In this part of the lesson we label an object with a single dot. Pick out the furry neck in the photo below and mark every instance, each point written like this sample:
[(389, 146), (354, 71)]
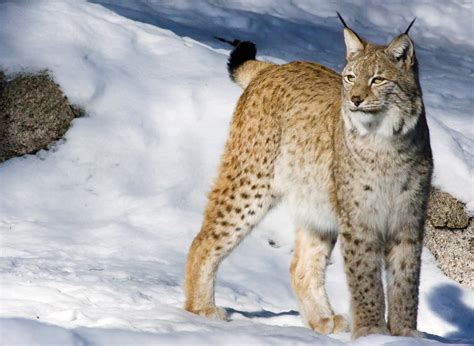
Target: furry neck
[(387, 124)]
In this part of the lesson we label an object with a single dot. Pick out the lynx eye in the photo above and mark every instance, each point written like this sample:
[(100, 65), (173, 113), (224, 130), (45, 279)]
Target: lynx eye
[(349, 78), (377, 81)]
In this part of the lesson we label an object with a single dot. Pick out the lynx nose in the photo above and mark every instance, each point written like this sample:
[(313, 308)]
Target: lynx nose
[(356, 100)]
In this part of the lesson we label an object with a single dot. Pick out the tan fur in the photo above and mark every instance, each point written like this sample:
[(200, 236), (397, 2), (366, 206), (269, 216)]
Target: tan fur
[(248, 71), (295, 134)]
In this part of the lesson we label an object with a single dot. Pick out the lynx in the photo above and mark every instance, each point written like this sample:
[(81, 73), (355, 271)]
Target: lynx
[(351, 156)]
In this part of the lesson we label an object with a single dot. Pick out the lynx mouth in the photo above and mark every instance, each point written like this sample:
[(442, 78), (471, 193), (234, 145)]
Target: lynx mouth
[(366, 109)]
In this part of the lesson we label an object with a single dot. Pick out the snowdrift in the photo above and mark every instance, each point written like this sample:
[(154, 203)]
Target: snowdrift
[(94, 231)]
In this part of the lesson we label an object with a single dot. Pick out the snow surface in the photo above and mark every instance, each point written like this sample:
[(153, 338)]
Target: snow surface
[(95, 231)]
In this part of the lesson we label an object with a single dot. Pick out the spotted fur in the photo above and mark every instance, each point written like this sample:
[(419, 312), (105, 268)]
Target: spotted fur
[(352, 157)]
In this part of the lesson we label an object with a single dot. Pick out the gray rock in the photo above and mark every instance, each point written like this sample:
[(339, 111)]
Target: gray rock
[(33, 113), (449, 235), (454, 252), (445, 211)]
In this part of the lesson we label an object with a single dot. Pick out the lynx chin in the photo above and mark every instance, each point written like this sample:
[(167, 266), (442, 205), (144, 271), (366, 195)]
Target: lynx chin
[(351, 155)]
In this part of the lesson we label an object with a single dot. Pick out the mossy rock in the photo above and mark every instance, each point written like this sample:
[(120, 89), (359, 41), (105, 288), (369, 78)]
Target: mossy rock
[(33, 113)]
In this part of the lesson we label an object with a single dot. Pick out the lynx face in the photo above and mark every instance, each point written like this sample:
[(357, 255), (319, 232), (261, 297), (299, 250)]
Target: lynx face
[(380, 92)]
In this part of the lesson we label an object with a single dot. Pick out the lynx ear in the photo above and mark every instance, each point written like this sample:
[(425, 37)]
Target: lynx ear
[(403, 50), (354, 43)]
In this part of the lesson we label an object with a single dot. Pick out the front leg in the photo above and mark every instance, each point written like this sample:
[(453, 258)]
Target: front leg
[(402, 261), (362, 251)]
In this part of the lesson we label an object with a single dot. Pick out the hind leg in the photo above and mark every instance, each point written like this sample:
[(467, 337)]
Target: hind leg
[(311, 256), (235, 207), (242, 194)]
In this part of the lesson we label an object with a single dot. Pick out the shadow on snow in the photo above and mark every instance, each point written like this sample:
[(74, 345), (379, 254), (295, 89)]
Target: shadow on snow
[(274, 36), (261, 313), (445, 301)]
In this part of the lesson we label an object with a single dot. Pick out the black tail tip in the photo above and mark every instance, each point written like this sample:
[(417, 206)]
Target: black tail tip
[(233, 43), (243, 52)]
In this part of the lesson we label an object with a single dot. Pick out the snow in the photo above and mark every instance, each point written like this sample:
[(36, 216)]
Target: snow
[(95, 231)]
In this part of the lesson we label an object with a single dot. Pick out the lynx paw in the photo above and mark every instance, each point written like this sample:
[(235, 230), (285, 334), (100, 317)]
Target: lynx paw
[(212, 312), (409, 332), (364, 331), (332, 324)]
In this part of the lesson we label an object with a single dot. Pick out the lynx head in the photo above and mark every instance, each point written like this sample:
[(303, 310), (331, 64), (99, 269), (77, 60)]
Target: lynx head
[(380, 93)]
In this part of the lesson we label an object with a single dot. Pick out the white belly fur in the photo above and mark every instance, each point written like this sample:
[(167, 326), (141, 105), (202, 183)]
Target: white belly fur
[(307, 200), (312, 209)]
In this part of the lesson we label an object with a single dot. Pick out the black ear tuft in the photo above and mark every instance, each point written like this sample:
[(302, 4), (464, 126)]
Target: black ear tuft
[(409, 26), (354, 43), (342, 20)]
